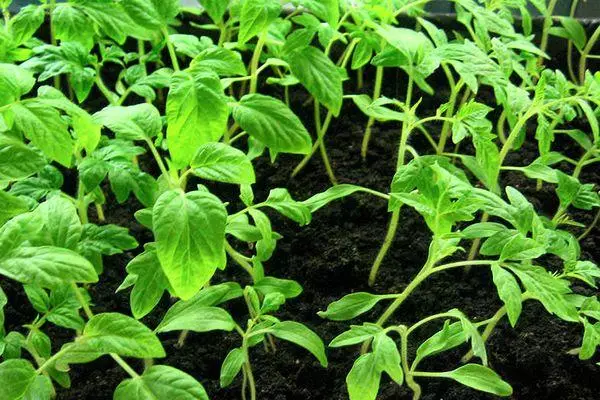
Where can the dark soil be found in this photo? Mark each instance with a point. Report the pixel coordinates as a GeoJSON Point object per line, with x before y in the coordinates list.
{"type": "Point", "coordinates": [330, 258]}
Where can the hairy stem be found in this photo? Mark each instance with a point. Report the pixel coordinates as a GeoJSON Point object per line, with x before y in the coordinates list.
{"type": "Point", "coordinates": [408, 373]}
{"type": "Point", "coordinates": [591, 227]}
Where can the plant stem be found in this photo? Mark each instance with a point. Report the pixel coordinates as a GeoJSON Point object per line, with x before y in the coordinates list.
{"type": "Point", "coordinates": [239, 259]}
{"type": "Point", "coordinates": [108, 94]}
{"type": "Point", "coordinates": [571, 68]}
{"type": "Point", "coordinates": [591, 227]}
{"type": "Point", "coordinates": [455, 91]}
{"type": "Point", "coordinates": [321, 140]}
{"type": "Point", "coordinates": [393, 224]}
{"type": "Point", "coordinates": [548, 20]}
{"type": "Point", "coordinates": [171, 49]}
{"type": "Point", "coordinates": [376, 93]}
{"type": "Point", "coordinates": [316, 145]}
{"type": "Point", "coordinates": [408, 373]}
{"type": "Point", "coordinates": [159, 161]}
{"type": "Point", "coordinates": [248, 369]}
{"type": "Point", "coordinates": [82, 205]}
{"type": "Point", "coordinates": [586, 52]}
{"type": "Point", "coordinates": [53, 40]}
{"type": "Point", "coordinates": [387, 242]}
{"type": "Point", "coordinates": [262, 38]}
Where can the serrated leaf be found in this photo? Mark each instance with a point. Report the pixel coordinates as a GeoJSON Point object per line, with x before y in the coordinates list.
{"type": "Point", "coordinates": [139, 122]}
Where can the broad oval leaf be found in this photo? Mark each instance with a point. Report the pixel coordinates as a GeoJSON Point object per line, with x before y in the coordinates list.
{"type": "Point", "coordinates": [196, 318]}
{"type": "Point", "coordinates": [271, 122]}
{"type": "Point", "coordinates": [256, 16]}
{"type": "Point", "coordinates": [113, 333]}
{"type": "Point", "coordinates": [161, 382]}
{"type": "Point", "coordinates": [197, 113]}
{"type": "Point", "coordinates": [319, 75]}
{"type": "Point", "coordinates": [363, 379]}
{"type": "Point", "coordinates": [190, 238]}
{"type": "Point", "coordinates": [223, 163]}
{"type": "Point", "coordinates": [16, 376]}
{"type": "Point", "coordinates": [17, 160]}
{"type": "Point", "coordinates": [47, 266]}
{"type": "Point", "coordinates": [139, 122]}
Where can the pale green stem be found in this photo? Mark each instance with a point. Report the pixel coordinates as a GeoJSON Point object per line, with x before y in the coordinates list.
{"type": "Point", "coordinates": [171, 49]}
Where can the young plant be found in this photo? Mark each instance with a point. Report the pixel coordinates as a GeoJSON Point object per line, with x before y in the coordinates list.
{"type": "Point", "coordinates": [441, 193]}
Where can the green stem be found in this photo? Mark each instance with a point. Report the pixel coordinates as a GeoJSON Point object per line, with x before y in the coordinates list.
{"type": "Point", "coordinates": [591, 227]}
{"type": "Point", "coordinates": [548, 21]}
{"type": "Point", "coordinates": [161, 164]}
{"type": "Point", "coordinates": [53, 40]}
{"type": "Point", "coordinates": [585, 53]}
{"type": "Point", "coordinates": [315, 147]}
{"type": "Point", "coordinates": [408, 373]}
{"type": "Point", "coordinates": [393, 225]}
{"type": "Point", "coordinates": [571, 68]}
{"type": "Point", "coordinates": [262, 39]}
{"type": "Point", "coordinates": [82, 205]}
{"type": "Point", "coordinates": [240, 259]}
{"type": "Point", "coordinates": [321, 141]}
{"type": "Point", "coordinates": [376, 93]}
{"type": "Point", "coordinates": [387, 242]}
{"type": "Point", "coordinates": [171, 49]}
{"type": "Point", "coordinates": [108, 94]}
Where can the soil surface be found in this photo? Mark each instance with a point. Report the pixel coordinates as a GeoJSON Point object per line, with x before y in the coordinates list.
{"type": "Point", "coordinates": [330, 258]}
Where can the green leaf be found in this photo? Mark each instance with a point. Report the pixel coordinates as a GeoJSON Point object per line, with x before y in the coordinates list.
{"type": "Point", "coordinates": [46, 266]}
{"type": "Point", "coordinates": [223, 61]}
{"type": "Point", "coordinates": [16, 376]}
{"type": "Point", "coordinates": [110, 18]}
{"type": "Point", "coordinates": [223, 163]}
{"type": "Point", "coordinates": [266, 245]}
{"type": "Point", "coordinates": [161, 382]}
{"type": "Point", "coordinates": [357, 334]}
{"type": "Point", "coordinates": [376, 109]}
{"type": "Point", "coordinates": [11, 206]}
{"type": "Point", "coordinates": [302, 336]}
{"type": "Point", "coordinates": [327, 10]}
{"type": "Point", "coordinates": [150, 284]}
{"type": "Point", "coordinates": [350, 306]}
{"type": "Point", "coordinates": [190, 236]}
{"type": "Point", "coordinates": [509, 292]}
{"type": "Point", "coordinates": [71, 24]}
{"type": "Point", "coordinates": [286, 287]}
{"type": "Point", "coordinates": [590, 341]}
{"type": "Point", "coordinates": [139, 122]}
{"type": "Point", "coordinates": [571, 192]}
{"type": "Point", "coordinates": [46, 129]}
{"type": "Point", "coordinates": [388, 357]}
{"type": "Point", "coordinates": [481, 378]}
{"type": "Point", "coordinates": [281, 200]}
{"type": "Point", "coordinates": [61, 222]}
{"type": "Point", "coordinates": [320, 200]}
{"type": "Point", "coordinates": [196, 318]}
{"type": "Point", "coordinates": [451, 336]}
{"type": "Point", "coordinates": [197, 113]}
{"type": "Point", "coordinates": [25, 23]}
{"type": "Point", "coordinates": [113, 333]}
{"type": "Point", "coordinates": [319, 75]}
{"type": "Point", "coordinates": [232, 365]}
{"type": "Point", "coordinates": [271, 122]}
{"type": "Point", "coordinates": [521, 248]}
{"type": "Point", "coordinates": [575, 31]}
{"type": "Point", "coordinates": [363, 379]}
{"type": "Point", "coordinates": [106, 239]}
{"type": "Point", "coordinates": [551, 291]}
{"type": "Point", "coordinates": [152, 14]}
{"type": "Point", "coordinates": [256, 16]}
{"type": "Point", "coordinates": [15, 81]}
{"type": "Point", "coordinates": [215, 9]}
